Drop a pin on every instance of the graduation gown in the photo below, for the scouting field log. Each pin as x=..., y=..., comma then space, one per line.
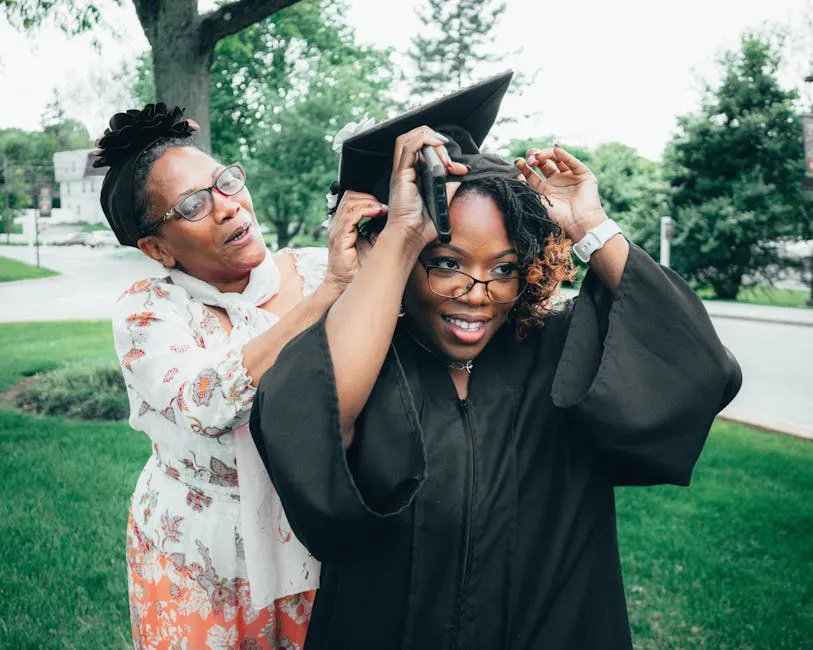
x=490, y=522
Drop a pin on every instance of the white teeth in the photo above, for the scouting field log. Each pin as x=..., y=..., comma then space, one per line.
x=238, y=235
x=467, y=325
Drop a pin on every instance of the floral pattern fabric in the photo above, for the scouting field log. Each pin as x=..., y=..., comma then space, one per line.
x=178, y=607
x=189, y=392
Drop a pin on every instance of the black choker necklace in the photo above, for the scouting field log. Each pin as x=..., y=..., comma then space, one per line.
x=452, y=365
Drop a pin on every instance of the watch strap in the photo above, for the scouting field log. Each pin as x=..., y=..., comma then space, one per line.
x=595, y=238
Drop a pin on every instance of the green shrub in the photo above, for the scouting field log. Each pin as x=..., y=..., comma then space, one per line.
x=79, y=392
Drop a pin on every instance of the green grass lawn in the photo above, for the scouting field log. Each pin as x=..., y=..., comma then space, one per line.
x=765, y=295
x=723, y=565
x=66, y=486
x=11, y=270
x=728, y=562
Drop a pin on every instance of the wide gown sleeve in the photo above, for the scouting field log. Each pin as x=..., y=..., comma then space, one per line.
x=335, y=497
x=643, y=373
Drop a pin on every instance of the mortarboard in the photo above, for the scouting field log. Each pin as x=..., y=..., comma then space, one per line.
x=465, y=116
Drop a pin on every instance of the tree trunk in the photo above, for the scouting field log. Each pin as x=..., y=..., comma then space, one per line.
x=183, y=78
x=183, y=44
x=283, y=236
x=181, y=58
x=727, y=288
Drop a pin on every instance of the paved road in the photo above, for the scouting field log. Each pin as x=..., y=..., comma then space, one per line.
x=91, y=281
x=774, y=345
x=777, y=368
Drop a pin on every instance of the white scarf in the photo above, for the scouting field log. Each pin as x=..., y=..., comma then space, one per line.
x=263, y=284
x=277, y=564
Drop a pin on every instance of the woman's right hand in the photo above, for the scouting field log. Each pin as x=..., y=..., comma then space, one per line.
x=343, y=256
x=406, y=212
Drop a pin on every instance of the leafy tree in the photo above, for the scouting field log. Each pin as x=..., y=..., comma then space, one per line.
x=26, y=159
x=182, y=40
x=141, y=77
x=337, y=81
x=281, y=89
x=257, y=72
x=633, y=192
x=452, y=41
x=64, y=133
x=294, y=159
x=735, y=167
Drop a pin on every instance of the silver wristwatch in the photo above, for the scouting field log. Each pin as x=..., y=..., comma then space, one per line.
x=595, y=238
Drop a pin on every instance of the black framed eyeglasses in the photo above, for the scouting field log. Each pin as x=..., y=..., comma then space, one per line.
x=199, y=204
x=451, y=283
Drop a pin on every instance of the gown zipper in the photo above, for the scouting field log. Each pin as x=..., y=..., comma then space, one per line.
x=464, y=410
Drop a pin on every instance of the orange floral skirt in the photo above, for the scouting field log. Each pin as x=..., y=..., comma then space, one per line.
x=172, y=608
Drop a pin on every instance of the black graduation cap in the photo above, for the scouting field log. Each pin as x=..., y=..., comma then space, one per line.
x=465, y=116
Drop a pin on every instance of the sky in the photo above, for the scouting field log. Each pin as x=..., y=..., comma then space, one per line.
x=602, y=70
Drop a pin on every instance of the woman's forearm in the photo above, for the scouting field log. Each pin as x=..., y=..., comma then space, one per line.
x=261, y=352
x=361, y=324
x=609, y=262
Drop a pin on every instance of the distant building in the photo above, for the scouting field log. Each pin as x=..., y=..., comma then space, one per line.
x=80, y=186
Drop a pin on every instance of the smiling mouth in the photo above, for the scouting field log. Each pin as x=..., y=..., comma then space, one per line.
x=239, y=234
x=466, y=325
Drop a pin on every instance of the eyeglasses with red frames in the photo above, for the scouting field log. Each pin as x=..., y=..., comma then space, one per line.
x=199, y=204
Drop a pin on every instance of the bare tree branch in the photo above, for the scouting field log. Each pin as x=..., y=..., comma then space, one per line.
x=231, y=18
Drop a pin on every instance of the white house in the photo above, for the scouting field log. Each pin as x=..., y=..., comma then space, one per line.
x=80, y=186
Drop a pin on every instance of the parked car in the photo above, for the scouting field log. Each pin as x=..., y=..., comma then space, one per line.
x=102, y=238
x=94, y=239
x=76, y=239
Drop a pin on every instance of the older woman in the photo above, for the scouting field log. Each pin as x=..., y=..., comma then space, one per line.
x=211, y=559
x=447, y=439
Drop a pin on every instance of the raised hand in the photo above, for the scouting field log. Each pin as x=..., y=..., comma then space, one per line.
x=566, y=186
x=405, y=205
x=343, y=240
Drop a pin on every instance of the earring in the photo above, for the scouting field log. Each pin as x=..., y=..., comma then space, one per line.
x=402, y=311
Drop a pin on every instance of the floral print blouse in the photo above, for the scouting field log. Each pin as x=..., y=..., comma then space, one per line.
x=189, y=392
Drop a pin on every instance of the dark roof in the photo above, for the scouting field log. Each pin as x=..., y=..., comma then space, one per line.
x=90, y=170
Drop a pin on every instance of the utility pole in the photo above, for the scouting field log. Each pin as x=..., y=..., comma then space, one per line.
x=35, y=200
x=7, y=209
x=807, y=180
x=667, y=234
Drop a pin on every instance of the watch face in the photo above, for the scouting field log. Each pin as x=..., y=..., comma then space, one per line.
x=585, y=248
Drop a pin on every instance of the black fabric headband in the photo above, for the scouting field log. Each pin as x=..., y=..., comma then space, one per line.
x=129, y=135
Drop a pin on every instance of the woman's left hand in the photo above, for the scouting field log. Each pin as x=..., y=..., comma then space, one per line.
x=567, y=187
x=345, y=250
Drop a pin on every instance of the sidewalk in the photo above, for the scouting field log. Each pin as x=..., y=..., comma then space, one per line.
x=745, y=311
x=761, y=313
